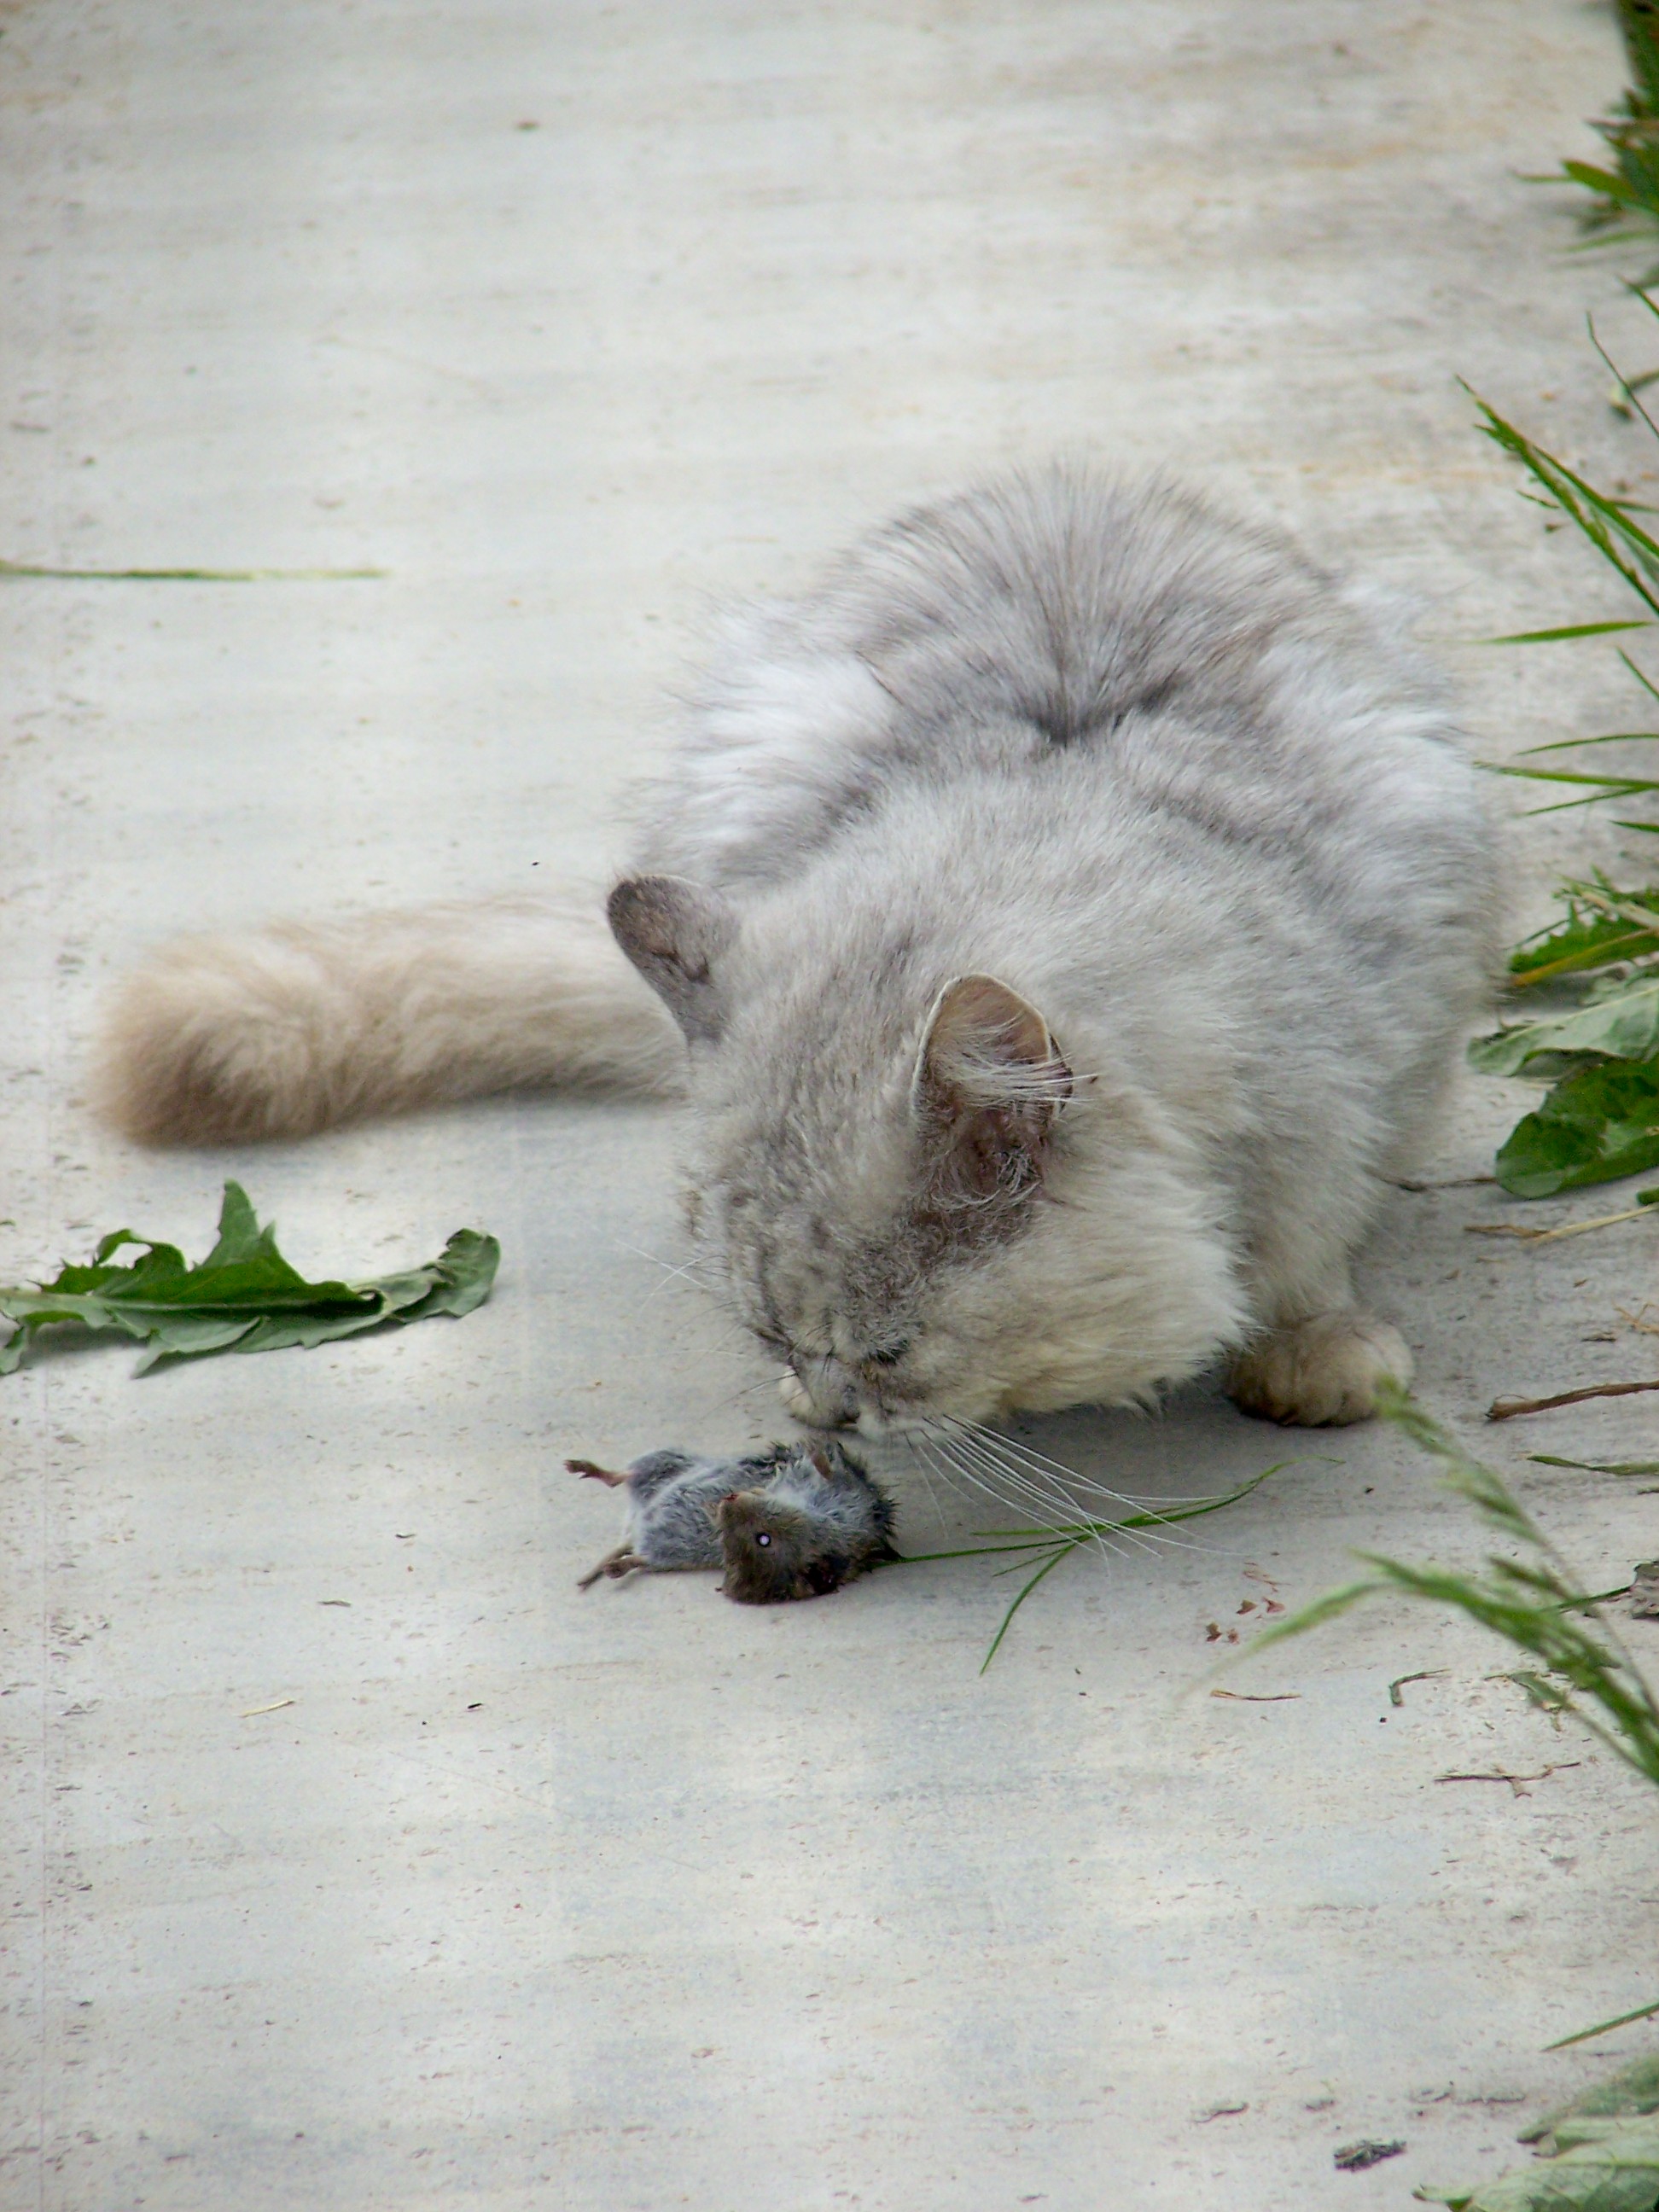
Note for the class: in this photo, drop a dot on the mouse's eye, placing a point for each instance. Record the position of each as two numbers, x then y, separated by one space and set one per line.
890 1357
762 1538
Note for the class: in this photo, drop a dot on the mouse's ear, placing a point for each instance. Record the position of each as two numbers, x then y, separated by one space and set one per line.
676 931
716 1507
989 1081
820 1460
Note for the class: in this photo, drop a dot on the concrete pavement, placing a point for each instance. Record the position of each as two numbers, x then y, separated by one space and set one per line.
574 320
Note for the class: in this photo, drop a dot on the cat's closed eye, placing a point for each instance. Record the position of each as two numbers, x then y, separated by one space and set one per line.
890 1356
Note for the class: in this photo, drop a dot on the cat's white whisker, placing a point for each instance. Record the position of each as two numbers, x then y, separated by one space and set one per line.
1046 1479
923 1469
1002 1446
691 1270
1146 1538
1013 1488
1135 1502
958 1470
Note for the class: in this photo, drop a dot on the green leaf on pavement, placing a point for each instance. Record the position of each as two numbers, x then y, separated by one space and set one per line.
1622 1024
1601 2166
1597 1123
244 1296
1634 2090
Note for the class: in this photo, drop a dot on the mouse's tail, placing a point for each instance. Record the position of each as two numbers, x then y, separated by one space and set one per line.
295 1028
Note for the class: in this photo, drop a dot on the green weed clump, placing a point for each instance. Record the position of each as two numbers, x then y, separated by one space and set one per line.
1623 193
1599 1119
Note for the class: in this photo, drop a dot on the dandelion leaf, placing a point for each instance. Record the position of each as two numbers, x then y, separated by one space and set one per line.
1618 1025
244 1296
1604 2165
1633 2091
1597 1123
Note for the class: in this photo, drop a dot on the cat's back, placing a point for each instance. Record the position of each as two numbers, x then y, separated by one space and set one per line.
1069 600
983 634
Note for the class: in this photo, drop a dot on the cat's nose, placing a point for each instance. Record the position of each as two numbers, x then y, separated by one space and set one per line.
820 1392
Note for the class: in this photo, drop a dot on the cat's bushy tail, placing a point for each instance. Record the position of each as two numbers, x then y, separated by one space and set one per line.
304 1025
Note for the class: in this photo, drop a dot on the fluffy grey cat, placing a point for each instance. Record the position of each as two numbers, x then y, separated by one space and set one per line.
1068 912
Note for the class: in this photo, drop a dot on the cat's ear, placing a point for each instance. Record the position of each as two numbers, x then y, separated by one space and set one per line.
989 1081
674 932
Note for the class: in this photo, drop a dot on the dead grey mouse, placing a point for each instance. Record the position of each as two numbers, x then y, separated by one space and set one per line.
795 1521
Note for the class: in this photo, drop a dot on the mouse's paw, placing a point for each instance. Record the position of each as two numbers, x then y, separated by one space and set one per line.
1322 1372
613 1566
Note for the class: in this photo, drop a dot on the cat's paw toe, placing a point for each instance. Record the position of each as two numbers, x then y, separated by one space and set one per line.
1320 1373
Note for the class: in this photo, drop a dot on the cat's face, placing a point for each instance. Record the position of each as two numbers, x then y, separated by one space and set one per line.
879 1331
868 1192
899 1202
889 1292
1082 1278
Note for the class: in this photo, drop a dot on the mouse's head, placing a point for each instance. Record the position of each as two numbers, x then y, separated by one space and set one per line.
774 1550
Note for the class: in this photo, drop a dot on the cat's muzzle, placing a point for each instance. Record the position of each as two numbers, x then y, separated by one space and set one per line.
821 1393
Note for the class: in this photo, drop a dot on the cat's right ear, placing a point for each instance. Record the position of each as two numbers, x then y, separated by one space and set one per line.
674 932
987 1085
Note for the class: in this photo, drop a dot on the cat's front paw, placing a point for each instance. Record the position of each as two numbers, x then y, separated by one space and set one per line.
1320 1372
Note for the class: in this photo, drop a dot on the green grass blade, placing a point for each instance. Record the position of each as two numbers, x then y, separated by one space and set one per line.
1558 637
1630 391
1571 745
1046 1569
29 569
1061 1540
968 1552
1160 1516
1622 543
1604 2026
1086 1532
1624 1466
1605 182
1620 786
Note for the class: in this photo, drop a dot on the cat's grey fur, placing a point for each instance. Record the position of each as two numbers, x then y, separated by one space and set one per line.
1072 909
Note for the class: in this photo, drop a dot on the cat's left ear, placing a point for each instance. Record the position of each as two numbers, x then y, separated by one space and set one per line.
989 1081
675 933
